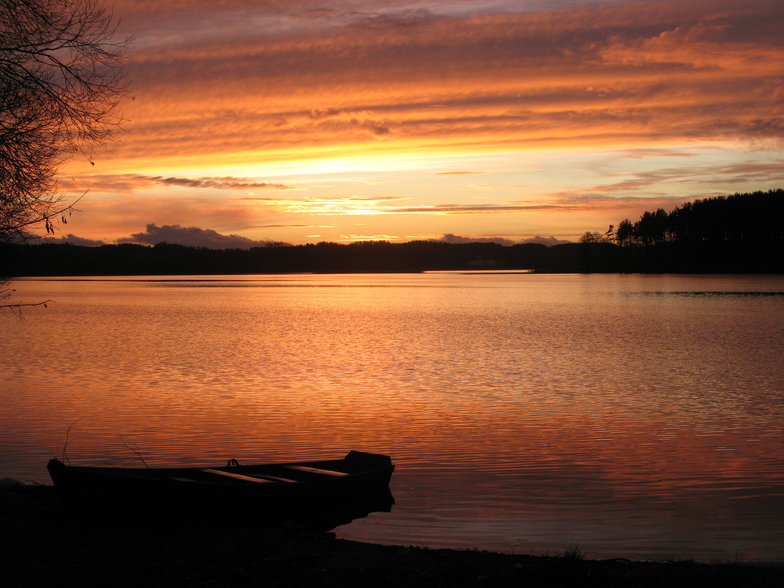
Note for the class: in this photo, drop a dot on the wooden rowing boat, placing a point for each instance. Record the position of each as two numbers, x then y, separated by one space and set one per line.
273 492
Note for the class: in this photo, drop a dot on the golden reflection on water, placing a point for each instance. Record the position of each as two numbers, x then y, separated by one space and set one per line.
632 415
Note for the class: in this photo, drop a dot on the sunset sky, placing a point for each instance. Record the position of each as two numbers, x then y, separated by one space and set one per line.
303 121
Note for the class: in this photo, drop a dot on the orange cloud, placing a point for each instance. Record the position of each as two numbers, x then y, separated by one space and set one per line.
429 80
346 103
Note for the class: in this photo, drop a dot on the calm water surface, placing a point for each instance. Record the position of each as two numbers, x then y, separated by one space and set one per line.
633 416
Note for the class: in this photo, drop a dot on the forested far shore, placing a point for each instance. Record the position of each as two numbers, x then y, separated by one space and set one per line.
742 233
372 257
737 233
361 257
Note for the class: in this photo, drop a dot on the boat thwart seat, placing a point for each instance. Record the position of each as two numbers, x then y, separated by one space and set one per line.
312 470
258 480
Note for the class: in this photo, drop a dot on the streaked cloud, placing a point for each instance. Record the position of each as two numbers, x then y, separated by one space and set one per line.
356 237
429 77
475 208
355 104
135 182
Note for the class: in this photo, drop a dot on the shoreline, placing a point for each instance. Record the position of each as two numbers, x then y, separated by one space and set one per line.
42 545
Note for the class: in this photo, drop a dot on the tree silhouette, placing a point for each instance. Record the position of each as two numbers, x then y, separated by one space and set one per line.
723 233
60 83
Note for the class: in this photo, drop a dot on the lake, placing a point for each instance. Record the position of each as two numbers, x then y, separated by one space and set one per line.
627 415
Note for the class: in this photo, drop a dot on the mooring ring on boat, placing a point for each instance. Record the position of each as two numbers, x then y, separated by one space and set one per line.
233 463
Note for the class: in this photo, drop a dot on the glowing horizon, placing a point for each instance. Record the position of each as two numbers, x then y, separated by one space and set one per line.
299 121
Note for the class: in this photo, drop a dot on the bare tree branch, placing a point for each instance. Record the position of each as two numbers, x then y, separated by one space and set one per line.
60 84
61 80
136 450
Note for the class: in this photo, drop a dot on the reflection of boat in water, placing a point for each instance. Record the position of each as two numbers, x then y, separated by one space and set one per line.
320 494
343 512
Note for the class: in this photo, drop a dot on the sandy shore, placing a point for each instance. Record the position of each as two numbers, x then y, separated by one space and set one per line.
44 546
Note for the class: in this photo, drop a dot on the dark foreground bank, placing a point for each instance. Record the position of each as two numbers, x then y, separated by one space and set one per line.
41 545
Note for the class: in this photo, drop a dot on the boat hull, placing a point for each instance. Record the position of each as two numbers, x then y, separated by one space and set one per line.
271 492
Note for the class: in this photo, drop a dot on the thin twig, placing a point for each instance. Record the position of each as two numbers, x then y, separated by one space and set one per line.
67 441
135 449
16 309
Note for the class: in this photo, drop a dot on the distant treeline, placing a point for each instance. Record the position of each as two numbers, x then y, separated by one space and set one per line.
361 257
739 233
